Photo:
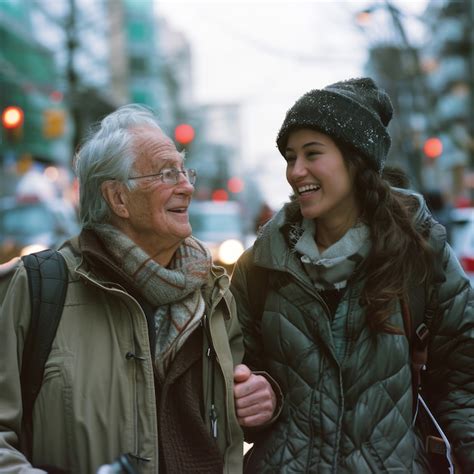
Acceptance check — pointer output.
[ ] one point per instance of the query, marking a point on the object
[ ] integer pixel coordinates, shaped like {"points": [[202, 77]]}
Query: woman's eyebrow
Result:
{"points": [[313, 143]]}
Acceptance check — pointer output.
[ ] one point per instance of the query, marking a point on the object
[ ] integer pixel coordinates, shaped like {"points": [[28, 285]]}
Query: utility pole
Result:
{"points": [[418, 89], [471, 88], [72, 43]]}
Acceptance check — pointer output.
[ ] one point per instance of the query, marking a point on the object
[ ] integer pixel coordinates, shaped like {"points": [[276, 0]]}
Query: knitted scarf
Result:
{"points": [[175, 291], [331, 268]]}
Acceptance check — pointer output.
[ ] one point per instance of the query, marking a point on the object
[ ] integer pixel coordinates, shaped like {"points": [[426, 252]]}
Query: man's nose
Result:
{"points": [[184, 184]]}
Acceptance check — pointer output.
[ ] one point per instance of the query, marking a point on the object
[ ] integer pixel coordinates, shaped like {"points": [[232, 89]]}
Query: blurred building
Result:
{"points": [[449, 66], [77, 32], [217, 147], [150, 62], [67, 64], [175, 84], [29, 79], [431, 82], [394, 62]]}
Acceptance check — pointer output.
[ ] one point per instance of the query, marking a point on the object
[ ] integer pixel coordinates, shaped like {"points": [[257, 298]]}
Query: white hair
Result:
{"points": [[107, 154]]}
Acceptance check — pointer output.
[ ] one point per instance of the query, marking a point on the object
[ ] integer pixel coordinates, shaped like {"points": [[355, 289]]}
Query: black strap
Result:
{"points": [[47, 279], [422, 306]]}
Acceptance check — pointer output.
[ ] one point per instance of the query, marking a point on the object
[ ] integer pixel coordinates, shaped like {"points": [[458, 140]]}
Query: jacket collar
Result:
{"points": [[271, 248]]}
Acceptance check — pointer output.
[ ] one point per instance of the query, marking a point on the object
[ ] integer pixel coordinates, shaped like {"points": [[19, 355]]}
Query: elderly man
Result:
{"points": [[145, 359]]}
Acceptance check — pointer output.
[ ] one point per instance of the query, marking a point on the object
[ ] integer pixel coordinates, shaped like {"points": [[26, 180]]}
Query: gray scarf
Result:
{"points": [[175, 291], [331, 268]]}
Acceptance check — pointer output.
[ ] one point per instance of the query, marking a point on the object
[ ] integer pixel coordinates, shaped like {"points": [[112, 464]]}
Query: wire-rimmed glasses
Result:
{"points": [[171, 175]]}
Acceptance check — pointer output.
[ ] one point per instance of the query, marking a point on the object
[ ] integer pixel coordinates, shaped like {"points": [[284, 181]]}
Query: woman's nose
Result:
{"points": [[298, 169]]}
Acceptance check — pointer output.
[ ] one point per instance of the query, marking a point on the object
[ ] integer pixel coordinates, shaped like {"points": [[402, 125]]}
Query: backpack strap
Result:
{"points": [[419, 309], [47, 280], [418, 336], [419, 312]]}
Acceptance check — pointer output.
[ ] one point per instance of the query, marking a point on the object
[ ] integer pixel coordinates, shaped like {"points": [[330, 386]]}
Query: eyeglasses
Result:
{"points": [[171, 175]]}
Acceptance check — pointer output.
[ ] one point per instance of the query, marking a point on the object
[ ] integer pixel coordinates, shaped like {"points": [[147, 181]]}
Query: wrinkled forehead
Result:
{"points": [[151, 144]]}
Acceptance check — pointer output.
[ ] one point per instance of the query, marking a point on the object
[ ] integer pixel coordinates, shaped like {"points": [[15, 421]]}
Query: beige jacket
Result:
{"points": [[96, 403]]}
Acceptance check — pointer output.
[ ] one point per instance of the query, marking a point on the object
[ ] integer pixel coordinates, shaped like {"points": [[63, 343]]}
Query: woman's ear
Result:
{"points": [[115, 196]]}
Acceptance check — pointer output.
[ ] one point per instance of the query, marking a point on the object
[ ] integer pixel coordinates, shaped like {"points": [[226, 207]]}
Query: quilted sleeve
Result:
{"points": [[450, 374]]}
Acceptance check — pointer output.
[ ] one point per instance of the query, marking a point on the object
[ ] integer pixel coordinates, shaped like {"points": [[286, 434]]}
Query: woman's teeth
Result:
{"points": [[308, 187]]}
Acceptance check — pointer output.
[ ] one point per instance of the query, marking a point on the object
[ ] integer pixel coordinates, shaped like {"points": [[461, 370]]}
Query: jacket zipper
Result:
{"points": [[213, 412], [211, 357], [310, 289]]}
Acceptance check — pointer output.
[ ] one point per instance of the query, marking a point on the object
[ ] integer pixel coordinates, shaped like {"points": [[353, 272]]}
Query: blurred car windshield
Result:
{"points": [[212, 222], [26, 220]]}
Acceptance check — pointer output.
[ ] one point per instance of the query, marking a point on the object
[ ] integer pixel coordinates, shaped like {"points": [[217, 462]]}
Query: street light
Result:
{"points": [[12, 123], [12, 117]]}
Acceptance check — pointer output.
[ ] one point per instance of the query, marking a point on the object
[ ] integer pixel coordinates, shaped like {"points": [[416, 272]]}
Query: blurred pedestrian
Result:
{"points": [[142, 367], [334, 268], [264, 215]]}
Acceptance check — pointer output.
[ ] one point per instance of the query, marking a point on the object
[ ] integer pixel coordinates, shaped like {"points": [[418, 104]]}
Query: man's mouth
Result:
{"points": [[178, 210]]}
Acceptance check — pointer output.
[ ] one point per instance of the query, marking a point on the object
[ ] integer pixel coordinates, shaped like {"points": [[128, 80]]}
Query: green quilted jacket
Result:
{"points": [[347, 394]]}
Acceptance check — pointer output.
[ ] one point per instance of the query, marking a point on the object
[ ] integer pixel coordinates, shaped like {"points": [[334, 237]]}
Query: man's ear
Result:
{"points": [[114, 194]]}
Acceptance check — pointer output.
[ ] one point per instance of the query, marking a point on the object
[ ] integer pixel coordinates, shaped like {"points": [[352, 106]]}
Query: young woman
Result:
{"points": [[335, 267]]}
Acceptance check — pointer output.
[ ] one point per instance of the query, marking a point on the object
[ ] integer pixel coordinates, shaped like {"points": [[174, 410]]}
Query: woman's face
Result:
{"points": [[320, 178]]}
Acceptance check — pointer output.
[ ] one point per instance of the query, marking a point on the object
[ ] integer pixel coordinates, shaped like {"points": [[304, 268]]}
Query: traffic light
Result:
{"points": [[235, 185], [54, 123], [220, 195], [184, 134], [12, 122], [432, 148], [12, 117]]}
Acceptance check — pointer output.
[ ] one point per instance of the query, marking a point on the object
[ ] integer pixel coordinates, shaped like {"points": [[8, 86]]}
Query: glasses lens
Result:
{"points": [[170, 176], [191, 175]]}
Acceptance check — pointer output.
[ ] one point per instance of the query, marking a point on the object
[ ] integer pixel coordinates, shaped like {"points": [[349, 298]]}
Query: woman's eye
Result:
{"points": [[290, 159]]}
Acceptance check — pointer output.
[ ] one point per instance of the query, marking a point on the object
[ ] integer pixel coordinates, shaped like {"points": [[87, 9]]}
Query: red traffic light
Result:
{"points": [[220, 195], [433, 147], [235, 185], [184, 134], [12, 117]]}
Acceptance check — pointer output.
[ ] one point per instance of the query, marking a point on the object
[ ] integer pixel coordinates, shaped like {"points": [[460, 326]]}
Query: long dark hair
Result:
{"points": [[400, 255]]}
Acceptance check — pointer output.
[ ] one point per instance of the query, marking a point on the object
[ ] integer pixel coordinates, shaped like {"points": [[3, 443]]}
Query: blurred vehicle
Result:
{"points": [[28, 224], [462, 238], [220, 226]]}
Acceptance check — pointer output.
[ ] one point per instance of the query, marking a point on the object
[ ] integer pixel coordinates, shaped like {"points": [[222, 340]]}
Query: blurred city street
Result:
{"points": [[221, 76]]}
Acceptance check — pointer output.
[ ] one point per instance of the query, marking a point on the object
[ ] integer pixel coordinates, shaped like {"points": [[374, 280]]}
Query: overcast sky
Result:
{"points": [[265, 54]]}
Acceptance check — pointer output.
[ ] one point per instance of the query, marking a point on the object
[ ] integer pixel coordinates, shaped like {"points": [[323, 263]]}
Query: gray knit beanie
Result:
{"points": [[354, 112]]}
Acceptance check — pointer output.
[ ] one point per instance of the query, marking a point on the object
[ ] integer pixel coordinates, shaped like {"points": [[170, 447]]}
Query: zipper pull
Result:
{"points": [[213, 417]]}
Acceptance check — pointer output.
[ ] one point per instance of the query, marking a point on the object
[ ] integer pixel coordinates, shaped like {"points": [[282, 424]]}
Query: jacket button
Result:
{"points": [[131, 355]]}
